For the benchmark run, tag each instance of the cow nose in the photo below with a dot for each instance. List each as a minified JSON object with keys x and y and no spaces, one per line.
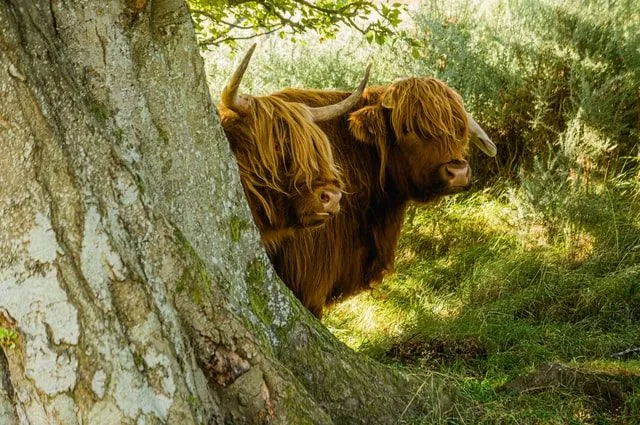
{"x":456,"y":173}
{"x":330,"y":199}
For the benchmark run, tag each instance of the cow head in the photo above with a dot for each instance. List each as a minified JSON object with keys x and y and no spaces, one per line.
{"x":421,"y":131}
{"x":285,"y":160}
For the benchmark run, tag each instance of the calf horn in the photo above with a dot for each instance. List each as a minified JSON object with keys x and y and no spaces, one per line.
{"x":324,"y":113}
{"x":230,"y":97}
{"x":482,"y":141}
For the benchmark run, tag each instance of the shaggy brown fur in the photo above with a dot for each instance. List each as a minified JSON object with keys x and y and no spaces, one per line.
{"x":392,"y":150}
{"x":284,"y":161}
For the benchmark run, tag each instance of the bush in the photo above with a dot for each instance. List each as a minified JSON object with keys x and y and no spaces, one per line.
{"x":543,"y":75}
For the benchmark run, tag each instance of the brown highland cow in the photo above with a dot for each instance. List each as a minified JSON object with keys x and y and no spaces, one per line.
{"x":401,"y":143}
{"x":286,"y":164}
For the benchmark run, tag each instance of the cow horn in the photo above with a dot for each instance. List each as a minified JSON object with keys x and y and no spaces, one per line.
{"x":328,"y":112}
{"x":230,"y":97}
{"x":482,"y":141}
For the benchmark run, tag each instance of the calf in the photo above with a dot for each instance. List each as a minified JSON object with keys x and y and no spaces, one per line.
{"x":287,"y":168}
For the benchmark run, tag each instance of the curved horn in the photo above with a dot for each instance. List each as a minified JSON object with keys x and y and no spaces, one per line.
{"x":482,"y":141}
{"x":229,"y":96}
{"x":328,"y":112}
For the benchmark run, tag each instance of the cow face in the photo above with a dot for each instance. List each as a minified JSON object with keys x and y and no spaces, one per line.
{"x":422,"y":169}
{"x":421,"y":130}
{"x":286,"y":164}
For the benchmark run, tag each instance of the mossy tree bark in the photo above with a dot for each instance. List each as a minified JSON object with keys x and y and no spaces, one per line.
{"x":133,"y":289}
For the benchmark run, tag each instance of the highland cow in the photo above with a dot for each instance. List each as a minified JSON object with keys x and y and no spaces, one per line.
{"x":401,"y":143}
{"x":286,"y":164}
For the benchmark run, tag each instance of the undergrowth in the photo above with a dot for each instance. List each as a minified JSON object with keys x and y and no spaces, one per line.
{"x":487,"y":289}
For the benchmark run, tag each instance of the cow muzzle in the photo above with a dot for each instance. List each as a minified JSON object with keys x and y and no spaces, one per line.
{"x":456,"y":176}
{"x":330,"y":199}
{"x":326,"y":204}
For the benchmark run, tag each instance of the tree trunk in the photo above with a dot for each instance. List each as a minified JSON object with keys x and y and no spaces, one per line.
{"x":133,"y":288}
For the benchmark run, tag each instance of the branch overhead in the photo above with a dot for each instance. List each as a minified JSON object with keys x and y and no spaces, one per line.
{"x":224,"y":22}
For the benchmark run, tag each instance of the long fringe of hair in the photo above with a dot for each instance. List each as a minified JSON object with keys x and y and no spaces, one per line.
{"x":430,"y":109}
{"x":291,"y":150}
{"x":424,"y":106}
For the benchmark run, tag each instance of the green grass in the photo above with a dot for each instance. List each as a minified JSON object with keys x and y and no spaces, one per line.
{"x":485,"y":292}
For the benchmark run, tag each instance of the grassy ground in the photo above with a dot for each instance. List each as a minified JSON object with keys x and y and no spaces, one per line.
{"x":522,"y":293}
{"x":484,"y":293}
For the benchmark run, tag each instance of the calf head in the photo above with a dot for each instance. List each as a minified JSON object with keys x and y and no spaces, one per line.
{"x":286,"y":163}
{"x":421,"y":131}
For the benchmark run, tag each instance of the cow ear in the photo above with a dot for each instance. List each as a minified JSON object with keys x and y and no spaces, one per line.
{"x":367,"y":124}
{"x":389,"y":99}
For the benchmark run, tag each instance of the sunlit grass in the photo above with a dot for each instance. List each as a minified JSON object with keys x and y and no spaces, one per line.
{"x":486,"y":293}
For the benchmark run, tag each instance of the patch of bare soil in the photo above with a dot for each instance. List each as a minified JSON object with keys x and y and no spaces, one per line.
{"x":437,"y":352}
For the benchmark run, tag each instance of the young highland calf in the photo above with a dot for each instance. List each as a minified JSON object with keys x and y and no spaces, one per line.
{"x":286,"y":164}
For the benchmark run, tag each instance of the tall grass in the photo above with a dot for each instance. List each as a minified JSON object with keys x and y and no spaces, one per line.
{"x":485,"y":291}
{"x":541,"y":263}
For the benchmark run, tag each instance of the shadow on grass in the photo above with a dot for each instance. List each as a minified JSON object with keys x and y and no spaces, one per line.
{"x":479,"y":296}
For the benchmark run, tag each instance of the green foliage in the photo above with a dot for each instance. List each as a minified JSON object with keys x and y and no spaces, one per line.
{"x":8,"y":338}
{"x":224,"y":22}
{"x":540,"y":74}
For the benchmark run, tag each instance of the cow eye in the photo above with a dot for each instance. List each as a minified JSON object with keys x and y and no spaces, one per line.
{"x":405,"y":129}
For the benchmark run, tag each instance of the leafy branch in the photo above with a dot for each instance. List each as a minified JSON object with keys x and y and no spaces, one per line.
{"x":226,"y":21}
